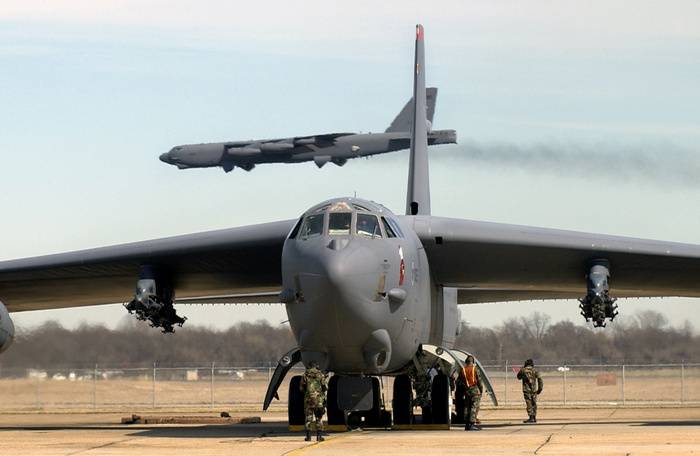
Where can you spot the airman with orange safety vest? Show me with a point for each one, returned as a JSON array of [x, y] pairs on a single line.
[[474, 388]]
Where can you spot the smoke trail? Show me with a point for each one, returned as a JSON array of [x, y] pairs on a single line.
[[654, 163]]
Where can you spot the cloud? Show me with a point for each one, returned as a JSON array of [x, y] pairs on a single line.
[[659, 164]]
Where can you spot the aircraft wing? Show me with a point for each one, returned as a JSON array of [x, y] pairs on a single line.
[[232, 265], [492, 262]]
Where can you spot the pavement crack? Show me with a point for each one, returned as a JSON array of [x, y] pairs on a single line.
[[545, 443], [97, 447]]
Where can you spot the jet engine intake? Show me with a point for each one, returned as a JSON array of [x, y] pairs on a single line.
[[340, 161], [321, 160], [597, 306], [154, 303], [7, 329]]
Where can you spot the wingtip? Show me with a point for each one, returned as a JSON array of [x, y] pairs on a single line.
[[419, 32]]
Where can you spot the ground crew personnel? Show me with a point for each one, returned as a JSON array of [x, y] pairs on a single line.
[[314, 385], [473, 389], [532, 387]]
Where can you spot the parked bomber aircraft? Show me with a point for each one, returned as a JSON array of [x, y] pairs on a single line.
[[368, 292], [336, 148]]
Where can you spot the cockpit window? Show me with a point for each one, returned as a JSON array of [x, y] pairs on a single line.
[[312, 226], [295, 230], [368, 226], [339, 223], [395, 225], [389, 231], [340, 206]]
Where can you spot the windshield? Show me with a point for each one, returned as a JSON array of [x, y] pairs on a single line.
[[313, 226], [339, 223], [368, 226]]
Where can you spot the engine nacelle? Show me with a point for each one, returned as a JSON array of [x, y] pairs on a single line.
[[321, 160], [153, 301], [598, 306], [7, 329]]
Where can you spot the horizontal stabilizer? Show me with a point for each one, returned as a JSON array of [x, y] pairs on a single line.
[[402, 122]]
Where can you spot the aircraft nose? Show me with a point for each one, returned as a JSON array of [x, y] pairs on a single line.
[[165, 158], [354, 274]]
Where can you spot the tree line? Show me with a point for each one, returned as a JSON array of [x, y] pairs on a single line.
[[643, 338]]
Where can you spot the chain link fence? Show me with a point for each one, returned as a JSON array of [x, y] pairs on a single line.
[[613, 384], [243, 387]]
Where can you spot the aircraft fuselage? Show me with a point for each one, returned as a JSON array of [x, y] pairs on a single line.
[[360, 302]]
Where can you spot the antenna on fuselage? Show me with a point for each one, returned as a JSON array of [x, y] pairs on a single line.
[[418, 194]]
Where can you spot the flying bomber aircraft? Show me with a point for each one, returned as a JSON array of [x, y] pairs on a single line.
[[367, 292], [335, 148]]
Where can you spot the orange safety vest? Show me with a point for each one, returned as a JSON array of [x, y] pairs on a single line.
[[470, 375]]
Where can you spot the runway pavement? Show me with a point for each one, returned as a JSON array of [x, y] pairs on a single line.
[[614, 431]]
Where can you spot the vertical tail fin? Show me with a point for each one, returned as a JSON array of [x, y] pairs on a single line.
[[402, 122], [418, 195]]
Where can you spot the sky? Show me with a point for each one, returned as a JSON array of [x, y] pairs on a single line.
[[574, 115]]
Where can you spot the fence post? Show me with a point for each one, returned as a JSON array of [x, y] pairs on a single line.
[[505, 385], [563, 371], [623, 384], [37, 399], [211, 385], [154, 385], [94, 387], [682, 381]]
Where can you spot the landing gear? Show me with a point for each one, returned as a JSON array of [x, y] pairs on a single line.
[[403, 400], [295, 408], [440, 400], [335, 415], [344, 408], [458, 416]]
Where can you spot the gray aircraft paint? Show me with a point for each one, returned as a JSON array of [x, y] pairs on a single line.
[[418, 195], [325, 148], [334, 286]]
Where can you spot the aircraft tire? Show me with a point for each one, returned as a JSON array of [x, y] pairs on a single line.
[[402, 401], [440, 399], [459, 404], [335, 415], [295, 407], [373, 417]]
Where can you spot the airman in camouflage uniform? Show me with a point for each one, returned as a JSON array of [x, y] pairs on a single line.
[[314, 385], [473, 389], [532, 387]]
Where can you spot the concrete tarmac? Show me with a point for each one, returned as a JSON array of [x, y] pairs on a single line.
[[612, 431]]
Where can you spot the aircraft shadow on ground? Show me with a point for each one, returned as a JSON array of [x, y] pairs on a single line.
[[170, 431], [280, 429], [609, 422]]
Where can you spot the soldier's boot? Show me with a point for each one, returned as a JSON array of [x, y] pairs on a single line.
[[534, 418], [474, 427], [467, 426], [531, 419], [319, 437], [308, 436]]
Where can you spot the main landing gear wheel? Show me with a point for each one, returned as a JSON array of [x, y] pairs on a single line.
[[460, 391], [295, 408], [335, 415], [440, 399], [402, 401], [373, 417]]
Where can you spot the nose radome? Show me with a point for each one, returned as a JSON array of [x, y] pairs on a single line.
[[165, 158]]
